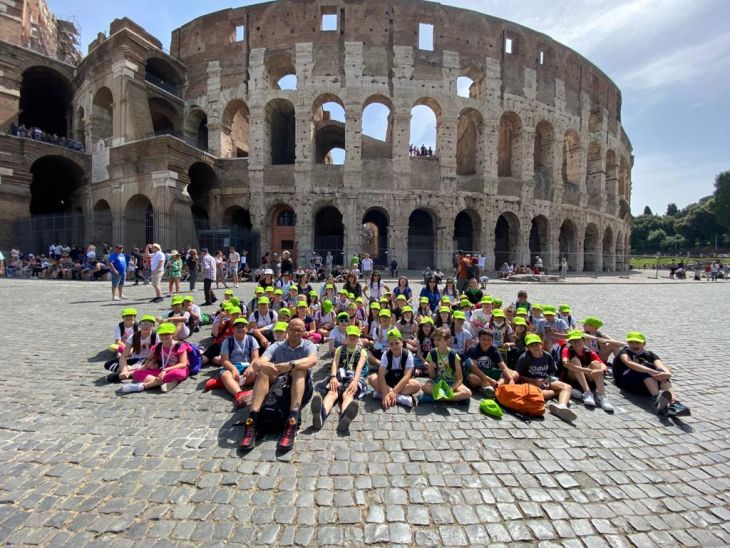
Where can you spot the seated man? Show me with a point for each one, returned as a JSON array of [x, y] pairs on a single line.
[[537, 367], [394, 382], [584, 369], [639, 370], [484, 367], [238, 352], [294, 357]]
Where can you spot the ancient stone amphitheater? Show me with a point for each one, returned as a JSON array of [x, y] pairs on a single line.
[[232, 137]]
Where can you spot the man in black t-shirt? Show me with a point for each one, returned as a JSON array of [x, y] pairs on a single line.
[[537, 367], [484, 366], [641, 371]]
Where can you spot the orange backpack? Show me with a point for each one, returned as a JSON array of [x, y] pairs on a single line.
[[523, 398]]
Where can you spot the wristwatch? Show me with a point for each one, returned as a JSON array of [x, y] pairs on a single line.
[[292, 365]]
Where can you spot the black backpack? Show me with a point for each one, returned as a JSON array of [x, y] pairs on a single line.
[[403, 359], [135, 328], [275, 409]]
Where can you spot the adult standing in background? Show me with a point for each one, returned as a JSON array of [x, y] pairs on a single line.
[[462, 272], [209, 268], [193, 264], [563, 267], [157, 267], [287, 266], [233, 259], [117, 263], [328, 261]]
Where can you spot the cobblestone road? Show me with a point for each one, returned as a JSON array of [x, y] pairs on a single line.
[[83, 466]]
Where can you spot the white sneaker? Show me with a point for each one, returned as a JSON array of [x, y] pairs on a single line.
[[561, 411], [603, 402], [167, 386], [132, 387], [588, 400]]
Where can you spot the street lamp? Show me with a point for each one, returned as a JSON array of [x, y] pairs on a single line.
[[656, 276]]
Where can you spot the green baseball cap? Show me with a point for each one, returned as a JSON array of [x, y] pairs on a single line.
[[593, 322], [235, 310], [278, 291], [268, 289], [564, 308], [401, 298], [327, 306], [177, 299], [394, 334], [166, 328], [548, 309], [464, 302], [385, 313], [148, 318], [423, 300], [425, 319], [263, 300], [575, 335], [498, 313], [519, 321], [242, 321], [497, 302], [129, 312], [375, 306], [285, 312], [281, 326], [406, 309], [343, 316], [352, 330], [532, 338], [258, 289], [444, 309], [635, 336], [487, 299], [459, 315]]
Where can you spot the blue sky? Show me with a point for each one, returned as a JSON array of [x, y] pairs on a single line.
[[671, 59]]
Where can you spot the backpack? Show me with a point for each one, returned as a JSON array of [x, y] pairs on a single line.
[[246, 344], [195, 358], [275, 408], [403, 359], [135, 328], [524, 398], [257, 315], [433, 354]]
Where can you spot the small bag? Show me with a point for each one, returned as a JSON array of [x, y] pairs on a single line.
[[275, 408], [491, 408], [523, 398], [442, 391]]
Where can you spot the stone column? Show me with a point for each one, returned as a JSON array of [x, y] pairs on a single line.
[[488, 242], [401, 138]]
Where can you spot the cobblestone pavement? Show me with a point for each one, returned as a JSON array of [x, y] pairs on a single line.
[[84, 466]]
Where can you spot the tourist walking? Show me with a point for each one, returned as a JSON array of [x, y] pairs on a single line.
[[563, 268], [157, 267], [193, 264], [117, 263], [209, 269]]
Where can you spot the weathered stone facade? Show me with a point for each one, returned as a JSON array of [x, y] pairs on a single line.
[[533, 161]]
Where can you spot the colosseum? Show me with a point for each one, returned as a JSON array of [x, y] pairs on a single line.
[[233, 137]]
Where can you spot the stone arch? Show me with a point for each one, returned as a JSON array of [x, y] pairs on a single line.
[[571, 158], [102, 115], [235, 130], [55, 181], [609, 258], [421, 238], [509, 153], [165, 117], [196, 128], [506, 239], [328, 129], [139, 221], [102, 222], [540, 239], [281, 69], [470, 142], [238, 217], [375, 227], [425, 122], [377, 127], [594, 176], [164, 75], [620, 252], [45, 100], [280, 132], [591, 248], [329, 232], [568, 243], [283, 229], [468, 231], [203, 179]]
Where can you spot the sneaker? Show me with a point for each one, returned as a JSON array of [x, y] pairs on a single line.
[[113, 378], [663, 399], [168, 386], [317, 419], [487, 391], [588, 400], [347, 416], [561, 411], [604, 404], [286, 440], [132, 387], [242, 399], [415, 399], [576, 394], [114, 348], [249, 435], [678, 409], [212, 384]]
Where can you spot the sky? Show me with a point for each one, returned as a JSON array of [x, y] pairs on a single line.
[[670, 58]]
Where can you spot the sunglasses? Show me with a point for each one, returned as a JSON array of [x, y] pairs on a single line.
[[146, 324]]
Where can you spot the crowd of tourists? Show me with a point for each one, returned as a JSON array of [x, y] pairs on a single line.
[[38, 134], [443, 344]]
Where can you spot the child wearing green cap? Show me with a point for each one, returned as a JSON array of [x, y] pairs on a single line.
[[407, 326], [640, 371], [337, 334], [179, 317], [598, 342], [394, 382], [124, 329], [500, 328], [136, 349], [325, 318], [443, 363], [582, 368], [166, 366], [346, 384], [424, 310], [238, 352]]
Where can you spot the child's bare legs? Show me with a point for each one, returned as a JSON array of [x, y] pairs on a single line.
[[558, 389]]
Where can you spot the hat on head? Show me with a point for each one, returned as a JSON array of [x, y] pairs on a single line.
[[425, 319], [263, 300], [464, 302], [446, 298], [536, 306], [302, 304], [174, 252], [564, 308], [259, 289], [234, 310], [519, 320], [593, 322], [187, 298], [394, 334], [226, 305], [329, 286], [497, 302], [327, 306], [521, 312], [360, 300], [166, 328], [487, 299], [148, 318], [342, 291], [284, 312], [401, 297], [350, 295], [444, 309], [278, 291], [374, 305], [177, 299], [497, 313], [423, 300], [242, 321], [268, 289], [548, 309], [343, 316], [459, 315], [532, 338], [385, 313], [129, 312], [268, 271], [313, 293], [352, 330], [635, 336], [575, 335], [281, 326], [406, 309]]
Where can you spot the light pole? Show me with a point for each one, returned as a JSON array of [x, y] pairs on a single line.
[[656, 276]]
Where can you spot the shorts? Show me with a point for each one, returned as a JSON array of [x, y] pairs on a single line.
[[179, 374], [393, 377], [118, 280], [568, 379], [156, 278], [633, 381], [240, 367], [323, 387]]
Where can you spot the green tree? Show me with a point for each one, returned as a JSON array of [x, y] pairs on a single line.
[[672, 209], [656, 239], [722, 199], [647, 210], [698, 223]]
